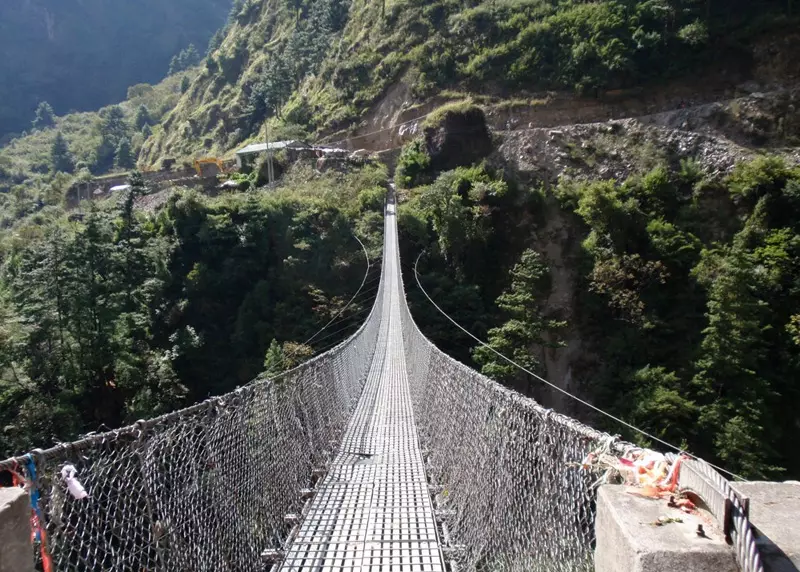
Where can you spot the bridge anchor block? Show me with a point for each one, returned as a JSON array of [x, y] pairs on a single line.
[[647, 535]]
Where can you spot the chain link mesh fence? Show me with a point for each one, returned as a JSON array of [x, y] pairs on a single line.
[[202, 489], [506, 471]]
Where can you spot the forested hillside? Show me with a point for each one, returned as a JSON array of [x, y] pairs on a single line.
[[121, 314], [84, 54], [678, 289], [316, 67], [37, 171]]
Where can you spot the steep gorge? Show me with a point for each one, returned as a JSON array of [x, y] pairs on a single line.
[[606, 192]]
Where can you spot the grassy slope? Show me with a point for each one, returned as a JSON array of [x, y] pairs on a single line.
[[503, 48], [32, 151]]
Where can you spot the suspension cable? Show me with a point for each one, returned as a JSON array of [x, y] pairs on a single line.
[[554, 386]]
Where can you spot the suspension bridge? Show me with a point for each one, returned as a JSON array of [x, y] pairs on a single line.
[[382, 454]]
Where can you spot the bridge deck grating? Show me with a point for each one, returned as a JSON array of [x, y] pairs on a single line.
[[372, 512]]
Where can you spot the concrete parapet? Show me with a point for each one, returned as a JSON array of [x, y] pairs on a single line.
[[638, 534], [16, 554], [775, 514]]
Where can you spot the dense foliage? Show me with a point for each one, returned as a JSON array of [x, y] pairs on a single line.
[[122, 315], [687, 299], [37, 170], [83, 55], [695, 288], [687, 287], [184, 60], [316, 67]]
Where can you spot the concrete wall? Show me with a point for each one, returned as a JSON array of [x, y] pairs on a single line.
[[774, 512], [639, 534], [16, 553]]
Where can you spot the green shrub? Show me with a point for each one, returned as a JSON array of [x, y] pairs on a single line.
[[413, 166]]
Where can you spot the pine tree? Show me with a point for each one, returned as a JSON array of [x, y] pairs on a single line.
[[60, 156], [147, 131], [274, 359], [45, 117], [215, 42], [129, 240], [94, 312], [113, 129], [185, 84], [236, 9], [142, 118], [174, 65], [113, 126], [527, 326], [185, 59], [123, 158]]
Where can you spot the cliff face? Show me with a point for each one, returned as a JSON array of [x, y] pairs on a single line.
[[84, 54]]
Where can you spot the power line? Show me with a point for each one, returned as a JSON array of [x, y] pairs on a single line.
[[348, 326], [554, 386], [361, 312]]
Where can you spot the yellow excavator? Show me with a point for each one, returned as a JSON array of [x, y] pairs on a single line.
[[198, 164]]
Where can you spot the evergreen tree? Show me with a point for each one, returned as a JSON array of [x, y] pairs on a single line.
[[185, 59], [45, 117], [113, 129], [142, 118], [129, 242], [185, 84], [215, 42], [527, 327], [272, 91], [60, 157], [113, 123], [274, 359], [123, 158], [191, 57], [236, 9], [94, 310], [147, 131], [729, 374]]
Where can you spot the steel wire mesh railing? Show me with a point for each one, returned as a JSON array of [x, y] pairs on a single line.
[[201, 489], [505, 471]]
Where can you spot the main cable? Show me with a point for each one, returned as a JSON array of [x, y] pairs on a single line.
[[554, 386]]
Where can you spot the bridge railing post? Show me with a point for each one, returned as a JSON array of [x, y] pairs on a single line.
[[16, 552]]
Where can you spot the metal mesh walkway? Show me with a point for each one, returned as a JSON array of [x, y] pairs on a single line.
[[372, 512]]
